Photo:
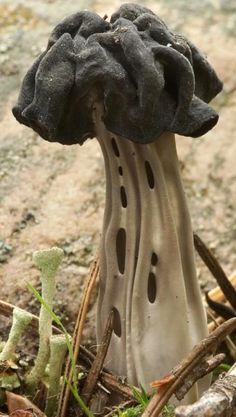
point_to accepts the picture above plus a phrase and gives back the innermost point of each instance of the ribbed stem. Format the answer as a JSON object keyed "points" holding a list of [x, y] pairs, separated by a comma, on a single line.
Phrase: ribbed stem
{"points": [[147, 261]]}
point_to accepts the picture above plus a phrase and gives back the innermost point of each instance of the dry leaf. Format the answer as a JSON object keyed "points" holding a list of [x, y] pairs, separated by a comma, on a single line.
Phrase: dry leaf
{"points": [[18, 405], [163, 383]]}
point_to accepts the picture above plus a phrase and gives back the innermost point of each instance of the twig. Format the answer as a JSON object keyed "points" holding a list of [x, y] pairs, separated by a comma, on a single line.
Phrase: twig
{"points": [[216, 293], [90, 283], [218, 401], [114, 384], [216, 322], [179, 374], [97, 365], [220, 309], [200, 371], [218, 296], [217, 271]]}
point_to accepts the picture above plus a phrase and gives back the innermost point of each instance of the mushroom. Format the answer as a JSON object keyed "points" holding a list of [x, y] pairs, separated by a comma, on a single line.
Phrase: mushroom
{"points": [[132, 84]]}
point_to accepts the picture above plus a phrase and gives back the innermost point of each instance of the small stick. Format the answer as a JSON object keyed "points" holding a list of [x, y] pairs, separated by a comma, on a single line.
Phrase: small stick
{"points": [[90, 283], [220, 309], [216, 293], [217, 271], [214, 323], [97, 365], [114, 384], [200, 371], [179, 374]]}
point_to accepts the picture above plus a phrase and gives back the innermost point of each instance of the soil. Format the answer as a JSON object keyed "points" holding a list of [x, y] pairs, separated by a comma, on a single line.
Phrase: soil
{"points": [[54, 195]]}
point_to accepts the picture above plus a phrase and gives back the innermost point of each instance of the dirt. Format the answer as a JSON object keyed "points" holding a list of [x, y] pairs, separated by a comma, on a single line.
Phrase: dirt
{"points": [[54, 195]]}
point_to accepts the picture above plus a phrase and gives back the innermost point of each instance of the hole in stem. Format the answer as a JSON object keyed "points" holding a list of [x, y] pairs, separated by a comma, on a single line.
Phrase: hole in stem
{"points": [[152, 287], [120, 170], [121, 249], [116, 322], [123, 196], [154, 259], [149, 173], [115, 148]]}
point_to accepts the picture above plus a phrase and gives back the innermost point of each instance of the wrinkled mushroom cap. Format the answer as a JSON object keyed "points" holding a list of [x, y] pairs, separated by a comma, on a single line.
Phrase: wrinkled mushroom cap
{"points": [[148, 79]]}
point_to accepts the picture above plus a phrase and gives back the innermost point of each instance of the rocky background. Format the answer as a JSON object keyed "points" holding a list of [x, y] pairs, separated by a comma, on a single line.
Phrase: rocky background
{"points": [[54, 195]]}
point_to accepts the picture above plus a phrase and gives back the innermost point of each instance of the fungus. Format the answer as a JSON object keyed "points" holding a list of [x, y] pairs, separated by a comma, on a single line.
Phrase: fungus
{"points": [[133, 84]]}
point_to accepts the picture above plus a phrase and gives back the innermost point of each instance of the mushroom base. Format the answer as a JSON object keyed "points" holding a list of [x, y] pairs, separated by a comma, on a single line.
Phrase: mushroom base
{"points": [[148, 272]]}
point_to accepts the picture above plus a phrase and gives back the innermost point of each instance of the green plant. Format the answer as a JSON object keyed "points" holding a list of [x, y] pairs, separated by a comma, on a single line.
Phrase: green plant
{"points": [[168, 411], [134, 411], [141, 397], [223, 367], [73, 387]]}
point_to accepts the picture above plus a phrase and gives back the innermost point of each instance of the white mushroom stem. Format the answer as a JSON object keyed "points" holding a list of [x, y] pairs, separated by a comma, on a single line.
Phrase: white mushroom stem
{"points": [[147, 261], [58, 349], [48, 262], [21, 320]]}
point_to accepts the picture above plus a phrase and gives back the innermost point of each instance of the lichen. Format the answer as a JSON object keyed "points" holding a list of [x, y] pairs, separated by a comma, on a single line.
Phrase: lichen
{"points": [[48, 261]]}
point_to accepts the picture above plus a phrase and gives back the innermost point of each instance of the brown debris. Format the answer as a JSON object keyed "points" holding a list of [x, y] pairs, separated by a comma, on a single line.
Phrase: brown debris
{"points": [[98, 362], [90, 283], [184, 371], [19, 406], [217, 271]]}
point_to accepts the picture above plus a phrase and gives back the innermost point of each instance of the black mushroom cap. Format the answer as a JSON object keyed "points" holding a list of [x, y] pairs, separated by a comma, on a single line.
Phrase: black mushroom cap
{"points": [[149, 80]]}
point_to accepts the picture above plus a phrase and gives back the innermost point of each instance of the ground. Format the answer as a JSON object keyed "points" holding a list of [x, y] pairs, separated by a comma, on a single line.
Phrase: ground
{"points": [[54, 195]]}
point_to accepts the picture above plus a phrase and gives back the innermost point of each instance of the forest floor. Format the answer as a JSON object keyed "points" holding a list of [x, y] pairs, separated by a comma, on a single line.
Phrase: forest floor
{"points": [[54, 195]]}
